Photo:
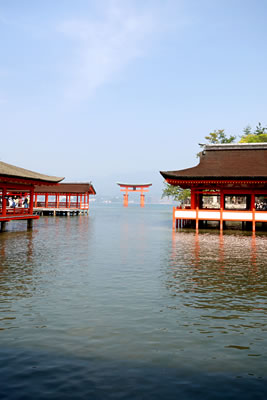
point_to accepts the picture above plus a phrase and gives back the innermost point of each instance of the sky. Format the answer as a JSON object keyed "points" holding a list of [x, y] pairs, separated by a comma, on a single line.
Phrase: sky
{"points": [[116, 90]]}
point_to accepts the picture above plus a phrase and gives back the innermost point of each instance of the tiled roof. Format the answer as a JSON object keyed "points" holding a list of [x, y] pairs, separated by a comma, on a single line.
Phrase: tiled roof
{"points": [[8, 170], [67, 187], [226, 161]]}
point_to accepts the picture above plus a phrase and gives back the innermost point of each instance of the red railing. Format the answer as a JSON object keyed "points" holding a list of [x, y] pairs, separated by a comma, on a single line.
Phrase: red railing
{"points": [[61, 204], [218, 215], [10, 211]]}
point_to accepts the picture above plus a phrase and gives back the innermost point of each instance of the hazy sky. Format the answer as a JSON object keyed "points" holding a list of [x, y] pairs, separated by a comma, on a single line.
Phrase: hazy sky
{"points": [[116, 90]]}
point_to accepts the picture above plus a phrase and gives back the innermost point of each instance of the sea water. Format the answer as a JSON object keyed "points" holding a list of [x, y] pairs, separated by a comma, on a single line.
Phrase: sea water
{"points": [[115, 305]]}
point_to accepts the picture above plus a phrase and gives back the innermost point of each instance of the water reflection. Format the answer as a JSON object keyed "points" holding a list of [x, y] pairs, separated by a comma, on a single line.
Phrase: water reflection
{"points": [[228, 266], [82, 292], [29, 265], [16, 254], [224, 279]]}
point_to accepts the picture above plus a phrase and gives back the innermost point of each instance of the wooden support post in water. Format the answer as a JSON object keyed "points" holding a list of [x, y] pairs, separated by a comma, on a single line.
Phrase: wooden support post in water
{"points": [[253, 221], [173, 218], [29, 224], [196, 218], [3, 226], [221, 219]]}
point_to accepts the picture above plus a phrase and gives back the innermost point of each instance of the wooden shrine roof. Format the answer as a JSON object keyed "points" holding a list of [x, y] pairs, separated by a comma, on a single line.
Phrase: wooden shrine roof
{"points": [[13, 172], [67, 188], [226, 161]]}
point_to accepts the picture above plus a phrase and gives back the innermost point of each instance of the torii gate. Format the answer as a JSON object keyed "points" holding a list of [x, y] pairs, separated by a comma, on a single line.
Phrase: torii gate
{"points": [[127, 187]]}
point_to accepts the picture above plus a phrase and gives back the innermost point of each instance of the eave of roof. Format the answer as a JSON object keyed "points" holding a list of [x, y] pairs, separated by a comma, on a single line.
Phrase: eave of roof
{"points": [[13, 172], [228, 161], [67, 188]]}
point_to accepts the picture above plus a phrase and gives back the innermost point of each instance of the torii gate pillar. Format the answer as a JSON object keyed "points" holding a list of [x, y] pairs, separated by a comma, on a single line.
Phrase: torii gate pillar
{"points": [[125, 200], [142, 200], [134, 188]]}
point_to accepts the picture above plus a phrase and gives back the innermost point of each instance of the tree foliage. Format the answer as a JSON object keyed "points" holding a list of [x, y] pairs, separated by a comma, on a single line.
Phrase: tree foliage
{"points": [[258, 136], [262, 138], [176, 192], [217, 137]]}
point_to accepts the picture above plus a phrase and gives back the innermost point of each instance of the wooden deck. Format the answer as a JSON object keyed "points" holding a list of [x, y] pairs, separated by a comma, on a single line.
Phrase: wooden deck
{"points": [[220, 215], [17, 214]]}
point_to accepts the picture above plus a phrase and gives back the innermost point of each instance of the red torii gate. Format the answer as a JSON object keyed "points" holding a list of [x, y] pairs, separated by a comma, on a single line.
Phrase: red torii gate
{"points": [[128, 187]]}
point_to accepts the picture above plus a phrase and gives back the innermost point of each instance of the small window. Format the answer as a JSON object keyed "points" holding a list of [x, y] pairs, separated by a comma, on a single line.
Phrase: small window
{"points": [[210, 202], [235, 202], [261, 202]]}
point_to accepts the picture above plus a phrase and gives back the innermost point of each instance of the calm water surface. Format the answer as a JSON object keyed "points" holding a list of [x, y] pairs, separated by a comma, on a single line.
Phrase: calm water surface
{"points": [[116, 305]]}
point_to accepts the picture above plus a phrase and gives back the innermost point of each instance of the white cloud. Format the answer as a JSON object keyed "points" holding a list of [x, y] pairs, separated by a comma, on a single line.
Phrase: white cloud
{"points": [[104, 47]]}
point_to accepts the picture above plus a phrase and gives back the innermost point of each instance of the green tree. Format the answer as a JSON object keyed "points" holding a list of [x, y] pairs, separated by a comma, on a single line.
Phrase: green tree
{"points": [[258, 136], [182, 195], [219, 136], [176, 192], [247, 130]]}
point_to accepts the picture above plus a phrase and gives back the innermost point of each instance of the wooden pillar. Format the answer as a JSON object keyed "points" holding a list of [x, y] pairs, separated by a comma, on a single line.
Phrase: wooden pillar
{"points": [[4, 202], [193, 199], [197, 200], [125, 199], [222, 199], [252, 201], [221, 219], [173, 218], [31, 200], [3, 226], [197, 218], [29, 224], [80, 201], [46, 200], [142, 200], [57, 200], [35, 200], [253, 221]]}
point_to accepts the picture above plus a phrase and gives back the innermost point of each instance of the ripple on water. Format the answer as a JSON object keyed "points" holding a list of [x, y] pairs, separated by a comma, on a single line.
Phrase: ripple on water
{"points": [[115, 305]]}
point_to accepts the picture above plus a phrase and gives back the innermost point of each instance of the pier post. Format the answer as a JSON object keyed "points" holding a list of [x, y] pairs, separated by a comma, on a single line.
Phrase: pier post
{"points": [[253, 221], [221, 220], [173, 218], [196, 218], [29, 224], [3, 226]]}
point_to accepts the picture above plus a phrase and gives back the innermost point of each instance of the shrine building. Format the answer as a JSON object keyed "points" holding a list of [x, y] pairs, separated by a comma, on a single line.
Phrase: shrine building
{"points": [[17, 193], [229, 184], [63, 199]]}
